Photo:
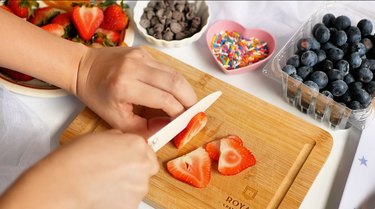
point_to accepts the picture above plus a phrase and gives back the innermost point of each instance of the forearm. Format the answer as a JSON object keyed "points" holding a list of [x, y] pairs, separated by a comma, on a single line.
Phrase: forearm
{"points": [[33, 51]]}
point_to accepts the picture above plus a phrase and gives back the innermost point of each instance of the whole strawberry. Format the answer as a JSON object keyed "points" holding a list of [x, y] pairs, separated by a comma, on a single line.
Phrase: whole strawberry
{"points": [[114, 18], [22, 8], [15, 75]]}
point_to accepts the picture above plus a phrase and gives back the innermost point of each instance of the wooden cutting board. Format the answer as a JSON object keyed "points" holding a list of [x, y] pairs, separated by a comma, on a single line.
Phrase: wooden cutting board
{"points": [[289, 151]]}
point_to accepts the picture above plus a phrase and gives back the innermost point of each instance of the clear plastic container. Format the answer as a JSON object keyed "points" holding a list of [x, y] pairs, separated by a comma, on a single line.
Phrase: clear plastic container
{"points": [[311, 102]]}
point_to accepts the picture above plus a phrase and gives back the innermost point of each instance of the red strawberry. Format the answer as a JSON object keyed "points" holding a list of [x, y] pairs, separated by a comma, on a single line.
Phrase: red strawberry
{"points": [[213, 147], [107, 37], [22, 8], [55, 29], [87, 20], [196, 124], [6, 8], [234, 157], [43, 16], [16, 75], [193, 168], [62, 19], [114, 18]]}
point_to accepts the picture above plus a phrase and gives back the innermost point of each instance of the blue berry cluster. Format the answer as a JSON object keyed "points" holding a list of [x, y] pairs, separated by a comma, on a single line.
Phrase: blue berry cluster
{"points": [[338, 60]]}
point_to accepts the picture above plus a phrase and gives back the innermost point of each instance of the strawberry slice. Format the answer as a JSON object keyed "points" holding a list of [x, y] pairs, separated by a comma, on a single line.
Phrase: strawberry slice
{"points": [[87, 19], [107, 37], [22, 8], [213, 147], [55, 29], [43, 16], [16, 75], [193, 168], [234, 157], [114, 18], [196, 124]]}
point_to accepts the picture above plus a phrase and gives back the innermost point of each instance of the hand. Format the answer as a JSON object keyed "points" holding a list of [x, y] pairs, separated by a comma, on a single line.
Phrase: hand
{"points": [[102, 170], [111, 80]]}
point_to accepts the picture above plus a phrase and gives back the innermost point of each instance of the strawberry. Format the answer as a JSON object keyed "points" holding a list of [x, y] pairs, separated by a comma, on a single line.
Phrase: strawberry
{"points": [[193, 168], [107, 37], [43, 16], [64, 19], [114, 18], [55, 29], [213, 147], [196, 124], [6, 8], [16, 75], [87, 19], [234, 157], [22, 8]]}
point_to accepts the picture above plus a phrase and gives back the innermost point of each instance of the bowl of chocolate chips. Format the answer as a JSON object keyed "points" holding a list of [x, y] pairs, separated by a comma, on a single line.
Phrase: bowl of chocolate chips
{"points": [[168, 23]]}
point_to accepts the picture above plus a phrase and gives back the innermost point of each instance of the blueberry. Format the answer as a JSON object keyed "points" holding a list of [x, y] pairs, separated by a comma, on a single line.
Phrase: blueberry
{"points": [[368, 44], [315, 45], [328, 20], [304, 71], [335, 54], [370, 88], [346, 98], [327, 65], [319, 78], [365, 26], [342, 22], [354, 105], [355, 60], [371, 64], [345, 48], [321, 55], [354, 34], [362, 97], [316, 26], [293, 60], [359, 47], [322, 34], [327, 46], [327, 94], [304, 44], [365, 75], [289, 69], [312, 85], [339, 38], [338, 88], [349, 79], [356, 85], [297, 77], [343, 66], [309, 58], [334, 75]]}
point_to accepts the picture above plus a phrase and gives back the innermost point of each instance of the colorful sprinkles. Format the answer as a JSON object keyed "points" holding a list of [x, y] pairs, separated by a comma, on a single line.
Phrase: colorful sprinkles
{"points": [[234, 51]]}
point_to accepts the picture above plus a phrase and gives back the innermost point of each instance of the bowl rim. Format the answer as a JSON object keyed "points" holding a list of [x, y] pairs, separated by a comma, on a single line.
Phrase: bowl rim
{"points": [[245, 68]]}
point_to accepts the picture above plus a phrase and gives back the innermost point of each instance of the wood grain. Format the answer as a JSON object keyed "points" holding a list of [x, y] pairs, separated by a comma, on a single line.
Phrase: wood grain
{"points": [[289, 151]]}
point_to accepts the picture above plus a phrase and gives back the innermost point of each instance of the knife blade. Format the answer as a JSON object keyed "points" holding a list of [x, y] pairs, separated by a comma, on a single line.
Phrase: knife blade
{"points": [[167, 133]]}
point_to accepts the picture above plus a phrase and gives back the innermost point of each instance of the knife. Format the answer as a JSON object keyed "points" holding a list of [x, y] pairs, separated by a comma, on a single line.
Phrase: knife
{"points": [[167, 133]]}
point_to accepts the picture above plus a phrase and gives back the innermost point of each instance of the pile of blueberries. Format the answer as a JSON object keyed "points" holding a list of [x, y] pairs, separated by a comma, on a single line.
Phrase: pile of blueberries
{"points": [[338, 61]]}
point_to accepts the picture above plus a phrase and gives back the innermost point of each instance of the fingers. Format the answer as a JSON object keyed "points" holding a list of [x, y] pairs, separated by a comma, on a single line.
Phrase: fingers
{"points": [[154, 164]]}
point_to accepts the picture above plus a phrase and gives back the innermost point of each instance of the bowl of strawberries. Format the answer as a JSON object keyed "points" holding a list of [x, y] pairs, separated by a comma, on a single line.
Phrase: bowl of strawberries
{"points": [[104, 23]]}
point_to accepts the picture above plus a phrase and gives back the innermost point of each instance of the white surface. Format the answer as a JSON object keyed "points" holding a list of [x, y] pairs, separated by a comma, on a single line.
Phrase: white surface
{"points": [[279, 18]]}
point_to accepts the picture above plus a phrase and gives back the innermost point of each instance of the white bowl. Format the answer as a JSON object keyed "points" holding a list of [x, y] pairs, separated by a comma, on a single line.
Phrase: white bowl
{"points": [[202, 11]]}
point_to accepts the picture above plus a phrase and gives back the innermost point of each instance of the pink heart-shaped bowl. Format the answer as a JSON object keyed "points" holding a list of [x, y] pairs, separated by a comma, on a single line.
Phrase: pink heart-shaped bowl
{"points": [[227, 25]]}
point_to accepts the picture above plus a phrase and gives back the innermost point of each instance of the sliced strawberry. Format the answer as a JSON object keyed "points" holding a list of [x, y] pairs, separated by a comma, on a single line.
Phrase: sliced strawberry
{"points": [[16, 75], [115, 18], [87, 19], [43, 16], [107, 37], [55, 29], [234, 157], [6, 8], [193, 168], [196, 124], [213, 147], [22, 8]]}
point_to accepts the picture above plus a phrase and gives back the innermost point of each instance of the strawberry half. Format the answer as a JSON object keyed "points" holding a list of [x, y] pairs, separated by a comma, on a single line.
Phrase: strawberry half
{"points": [[55, 29], [193, 168], [213, 147], [43, 16], [234, 157], [107, 37], [16, 75], [114, 18], [22, 8], [87, 19], [196, 124]]}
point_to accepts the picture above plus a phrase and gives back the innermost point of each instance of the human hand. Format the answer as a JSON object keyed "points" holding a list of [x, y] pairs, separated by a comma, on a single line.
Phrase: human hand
{"points": [[111, 80], [102, 170]]}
